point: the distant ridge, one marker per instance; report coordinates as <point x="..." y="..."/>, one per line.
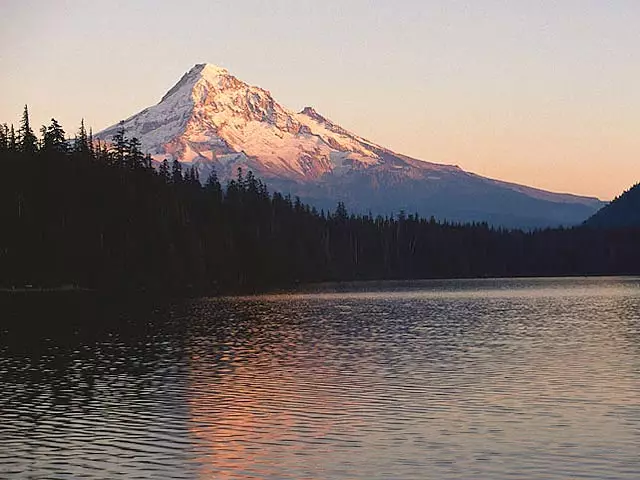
<point x="213" y="120"/>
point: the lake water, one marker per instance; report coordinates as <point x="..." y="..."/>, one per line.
<point x="477" y="379"/>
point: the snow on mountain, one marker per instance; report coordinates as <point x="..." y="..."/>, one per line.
<point x="213" y="120"/>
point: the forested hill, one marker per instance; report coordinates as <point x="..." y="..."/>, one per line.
<point x="77" y="213"/>
<point x="623" y="211"/>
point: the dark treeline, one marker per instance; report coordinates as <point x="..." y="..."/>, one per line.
<point x="623" y="211"/>
<point x="81" y="213"/>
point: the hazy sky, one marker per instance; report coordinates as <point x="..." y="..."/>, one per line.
<point x="545" y="93"/>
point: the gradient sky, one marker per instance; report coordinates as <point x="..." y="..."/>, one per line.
<point x="540" y="92"/>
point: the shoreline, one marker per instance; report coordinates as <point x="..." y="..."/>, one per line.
<point x="295" y="287"/>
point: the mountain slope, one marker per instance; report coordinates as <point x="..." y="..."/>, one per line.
<point x="623" y="211"/>
<point x="213" y="120"/>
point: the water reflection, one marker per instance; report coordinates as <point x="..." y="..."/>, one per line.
<point x="473" y="379"/>
<point x="92" y="402"/>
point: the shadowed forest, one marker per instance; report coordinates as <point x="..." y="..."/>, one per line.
<point x="81" y="213"/>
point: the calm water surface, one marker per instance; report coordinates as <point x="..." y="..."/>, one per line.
<point x="483" y="379"/>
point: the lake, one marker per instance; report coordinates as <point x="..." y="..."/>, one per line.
<point x="482" y="379"/>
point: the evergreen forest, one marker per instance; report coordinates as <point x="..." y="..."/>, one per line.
<point x="85" y="214"/>
<point x="623" y="211"/>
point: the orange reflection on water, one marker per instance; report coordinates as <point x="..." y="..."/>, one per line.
<point x="251" y="414"/>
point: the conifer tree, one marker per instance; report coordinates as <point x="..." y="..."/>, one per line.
<point x="28" y="141"/>
<point x="12" y="140"/>
<point x="213" y="188"/>
<point x="192" y="176"/>
<point x="90" y="141"/>
<point x="176" y="172"/>
<point x="135" y="156"/>
<point x="240" y="178"/>
<point x="163" y="171"/>
<point x="341" y="212"/>
<point x="81" y="143"/>
<point x="4" y="137"/>
<point x="43" y="134"/>
<point x="120" y="146"/>
<point x="53" y="137"/>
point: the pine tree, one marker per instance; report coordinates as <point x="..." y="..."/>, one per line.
<point x="176" y="172"/>
<point x="213" y="188"/>
<point x="53" y="138"/>
<point x="240" y="178"/>
<point x="81" y="143"/>
<point x="92" y="149"/>
<point x="163" y="171"/>
<point x="193" y="177"/>
<point x="43" y="134"/>
<point x="12" y="140"/>
<point x="341" y="212"/>
<point x="120" y="146"/>
<point x="135" y="157"/>
<point x="4" y="137"/>
<point x="28" y="141"/>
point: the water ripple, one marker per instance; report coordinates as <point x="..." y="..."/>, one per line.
<point x="530" y="379"/>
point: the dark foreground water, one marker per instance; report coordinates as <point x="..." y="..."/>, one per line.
<point x="485" y="379"/>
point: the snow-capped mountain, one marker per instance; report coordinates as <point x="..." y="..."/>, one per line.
<point x="213" y="120"/>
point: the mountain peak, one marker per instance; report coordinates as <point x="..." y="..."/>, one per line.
<point x="201" y="71"/>
<point x="212" y="119"/>
<point x="209" y="70"/>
